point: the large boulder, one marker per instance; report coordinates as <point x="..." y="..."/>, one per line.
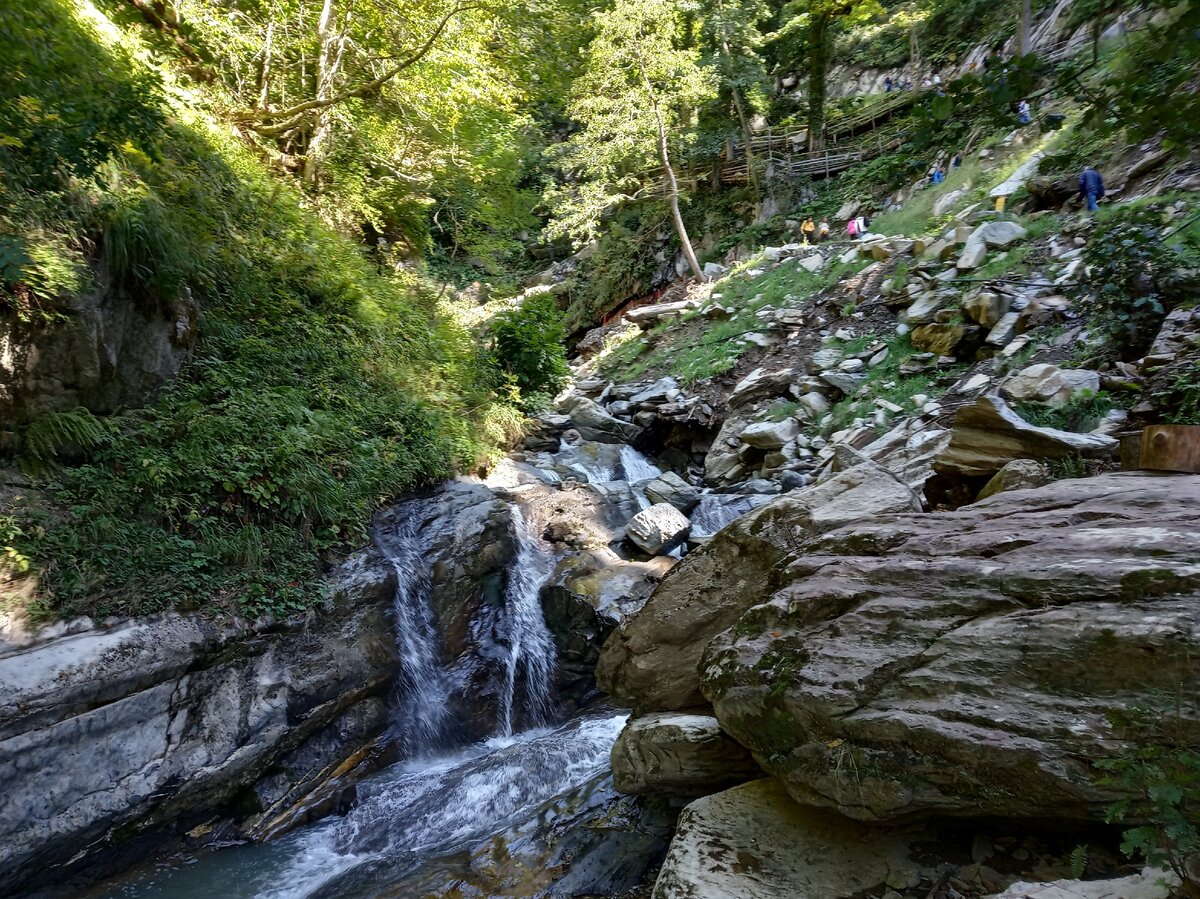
<point x="770" y="435"/>
<point x="1019" y="474"/>
<point x="754" y="842"/>
<point x="974" y="662"/>
<point x="593" y="423"/>
<point x="988" y="434"/>
<point x="761" y="384"/>
<point x="679" y="754"/>
<point x="651" y="661"/>
<point x="1047" y="383"/>
<point x="658" y="528"/>
<point x="150" y="723"/>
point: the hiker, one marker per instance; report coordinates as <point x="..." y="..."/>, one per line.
<point x="1023" y="114"/>
<point x="808" y="229"/>
<point x="823" y="230"/>
<point x="937" y="177"/>
<point x="861" y="225"/>
<point x="937" y="80"/>
<point x="1091" y="187"/>
<point x="852" y="228"/>
<point x="887" y="84"/>
<point x="927" y="83"/>
<point x="957" y="160"/>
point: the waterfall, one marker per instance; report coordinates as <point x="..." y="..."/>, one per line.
<point x="532" y="658"/>
<point x="636" y="466"/>
<point x="716" y="510"/>
<point x="422" y="689"/>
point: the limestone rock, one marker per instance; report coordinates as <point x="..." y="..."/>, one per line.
<point x="999" y="234"/>
<point x="923" y="309"/>
<point x="714" y="270"/>
<point x="1147" y="885"/>
<point x="761" y="384"/>
<point x="995" y="643"/>
<point x="1019" y="474"/>
<point x="160" y="718"/>
<point x="753" y="842"/>
<point x="679" y="754"/>
<point x="843" y="381"/>
<point x="1046" y="383"/>
<point x="671" y="488"/>
<point x="650" y="662"/>
<point x="812" y="263"/>
<point x="771" y="435"/>
<point x="988" y="434"/>
<point x="986" y="307"/>
<point x="972" y="256"/>
<point x="1004" y="330"/>
<point x="593" y="423"/>
<point x="657" y="528"/>
<point x="940" y="339"/>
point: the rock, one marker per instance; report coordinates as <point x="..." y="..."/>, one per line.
<point x="814" y="262"/>
<point x="1001" y="642"/>
<point x="671" y="488"/>
<point x="761" y="384"/>
<point x="944" y="203"/>
<point x="999" y="235"/>
<point x="1019" y="474"/>
<point x="1004" y="330"/>
<point x="714" y="270"/>
<point x="826" y="358"/>
<point x="1046" y="383"/>
<point x="1150" y="884"/>
<point x="814" y="403"/>
<point x="165" y="719"/>
<point x="972" y="256"/>
<point x="771" y="434"/>
<point x="593" y="423"/>
<point x="93" y="349"/>
<point x="644" y="315"/>
<point x="772" y="254"/>
<point x="940" y="339"/>
<point x="660" y="391"/>
<point x="650" y="662"/>
<point x="988" y="434"/>
<point x="678" y="754"/>
<point x="843" y="381"/>
<point x="923" y="309"/>
<point x="986" y="308"/>
<point x="753" y="842"/>
<point x="852" y="366"/>
<point x="658" y="528"/>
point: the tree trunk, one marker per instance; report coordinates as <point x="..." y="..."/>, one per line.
<point x="664" y="156"/>
<point x="746" y="139"/>
<point x="1025" y="34"/>
<point x="818" y="63"/>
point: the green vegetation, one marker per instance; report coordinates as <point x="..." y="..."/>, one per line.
<point x="528" y="346"/>
<point x="1081" y="413"/>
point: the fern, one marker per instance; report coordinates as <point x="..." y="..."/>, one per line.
<point x="1079" y="859"/>
<point x="53" y="432"/>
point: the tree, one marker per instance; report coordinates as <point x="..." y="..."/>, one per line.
<point x="635" y="100"/>
<point x="816" y="20"/>
<point x="732" y="33"/>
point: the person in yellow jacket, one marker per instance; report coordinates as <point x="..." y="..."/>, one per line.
<point x="808" y="229"/>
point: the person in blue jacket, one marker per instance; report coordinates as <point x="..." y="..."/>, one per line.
<point x="1091" y="187"/>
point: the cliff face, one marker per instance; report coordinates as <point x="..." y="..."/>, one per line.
<point x="100" y="351"/>
<point x="161" y="723"/>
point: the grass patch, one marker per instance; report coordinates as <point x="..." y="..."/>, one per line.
<point x="1080" y="414"/>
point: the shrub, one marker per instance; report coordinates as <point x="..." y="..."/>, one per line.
<point x="528" y="347"/>
<point x="1128" y="260"/>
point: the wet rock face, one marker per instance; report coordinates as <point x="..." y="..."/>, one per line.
<point x="969" y="663"/>
<point x="144" y="724"/>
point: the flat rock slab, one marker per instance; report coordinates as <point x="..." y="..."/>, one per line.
<point x="1138" y="886"/>
<point x="754" y="842"/>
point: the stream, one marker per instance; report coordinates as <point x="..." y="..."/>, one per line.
<point x="512" y="815"/>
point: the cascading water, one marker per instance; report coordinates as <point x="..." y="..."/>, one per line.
<point x="636" y="466"/>
<point x="531" y="655"/>
<point x="422" y="689"/>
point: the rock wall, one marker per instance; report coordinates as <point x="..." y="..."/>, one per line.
<point x="104" y="352"/>
<point x="159" y="724"/>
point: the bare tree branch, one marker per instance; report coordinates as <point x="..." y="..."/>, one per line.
<point x="257" y="119"/>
